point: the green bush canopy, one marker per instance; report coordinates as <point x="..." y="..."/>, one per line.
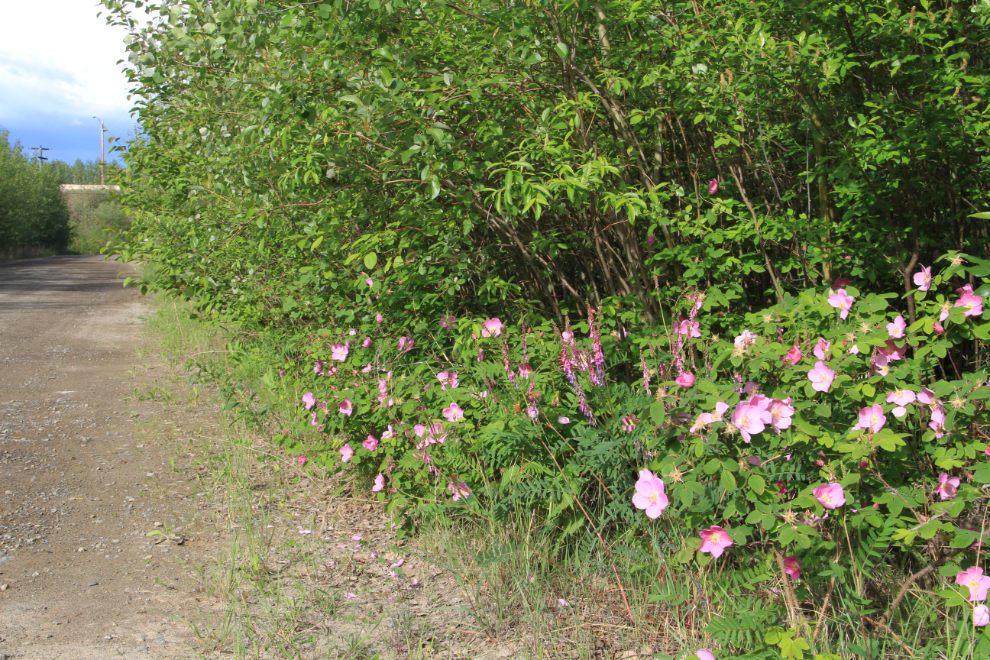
<point x="33" y="212"/>
<point x="552" y="154"/>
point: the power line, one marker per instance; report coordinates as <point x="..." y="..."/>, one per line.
<point x="39" y="155"/>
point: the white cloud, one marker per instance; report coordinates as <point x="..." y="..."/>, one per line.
<point x="58" y="61"/>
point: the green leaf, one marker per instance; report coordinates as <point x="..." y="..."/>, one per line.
<point x="370" y="260"/>
<point x="658" y="413"/>
<point x="728" y="481"/>
<point x="563" y="50"/>
<point x="757" y="483"/>
<point x="708" y="386"/>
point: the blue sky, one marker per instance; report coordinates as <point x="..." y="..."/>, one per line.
<point x="58" y="69"/>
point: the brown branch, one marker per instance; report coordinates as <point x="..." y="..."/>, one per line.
<point x="912" y="579"/>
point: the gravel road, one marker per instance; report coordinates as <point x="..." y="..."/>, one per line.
<point x="85" y="473"/>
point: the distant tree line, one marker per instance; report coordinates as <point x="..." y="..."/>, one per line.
<point x="84" y="172"/>
<point x="33" y="211"/>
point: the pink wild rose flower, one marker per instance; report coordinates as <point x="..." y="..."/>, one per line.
<point x="892" y="351"/>
<point x="491" y="328"/>
<point x="370" y="443"/>
<point x="454" y="413"/>
<point x="781" y="413"/>
<point x="947" y="486"/>
<point x="447" y="379"/>
<point x="705" y="654"/>
<point x="793" y="356"/>
<point x="302" y="460"/>
<point x="379" y="483"/>
<point x="715" y="540"/>
<point x="842" y="301"/>
<point x="713" y="186"/>
<point x="751" y="417"/>
<point x="308" y="400"/>
<point x="650" y="495"/>
<point x="366" y="343"/>
<point x="831" y="496"/>
<point x="938" y="417"/>
<point x="339" y="352"/>
<point x="981" y="616"/>
<point x="897" y="328"/>
<point x="746" y="339"/>
<point x="923" y="279"/>
<point x="792" y="566"/>
<point x="703" y="420"/>
<point x="926" y="396"/>
<point x="977" y="582"/>
<point x="821" y="377"/>
<point x="971" y="303"/>
<point x="901" y="397"/>
<point x="821" y="349"/>
<point x="346" y="407"/>
<point x="685" y="380"/>
<point x="945" y="310"/>
<point x="871" y="419"/>
<point x="346" y="453"/>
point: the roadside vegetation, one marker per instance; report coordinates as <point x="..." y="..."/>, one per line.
<point x="34" y="217"/>
<point x="667" y="318"/>
<point x="38" y="219"/>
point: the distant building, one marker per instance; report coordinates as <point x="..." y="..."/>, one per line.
<point x="81" y="189"/>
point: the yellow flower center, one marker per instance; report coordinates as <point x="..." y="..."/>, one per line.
<point x="653" y="498"/>
<point x="715" y="538"/>
<point x="827" y="498"/>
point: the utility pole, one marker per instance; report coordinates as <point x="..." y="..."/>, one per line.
<point x="40" y="155"/>
<point x="102" y="153"/>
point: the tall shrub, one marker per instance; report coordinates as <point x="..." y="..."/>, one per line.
<point x="33" y="212"/>
<point x="550" y="154"/>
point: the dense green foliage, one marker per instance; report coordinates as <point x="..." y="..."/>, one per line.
<point x="488" y="153"/>
<point x="86" y="172"/>
<point x="33" y="212"/>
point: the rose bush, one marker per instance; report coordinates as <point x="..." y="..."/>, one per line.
<point x="829" y="433"/>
